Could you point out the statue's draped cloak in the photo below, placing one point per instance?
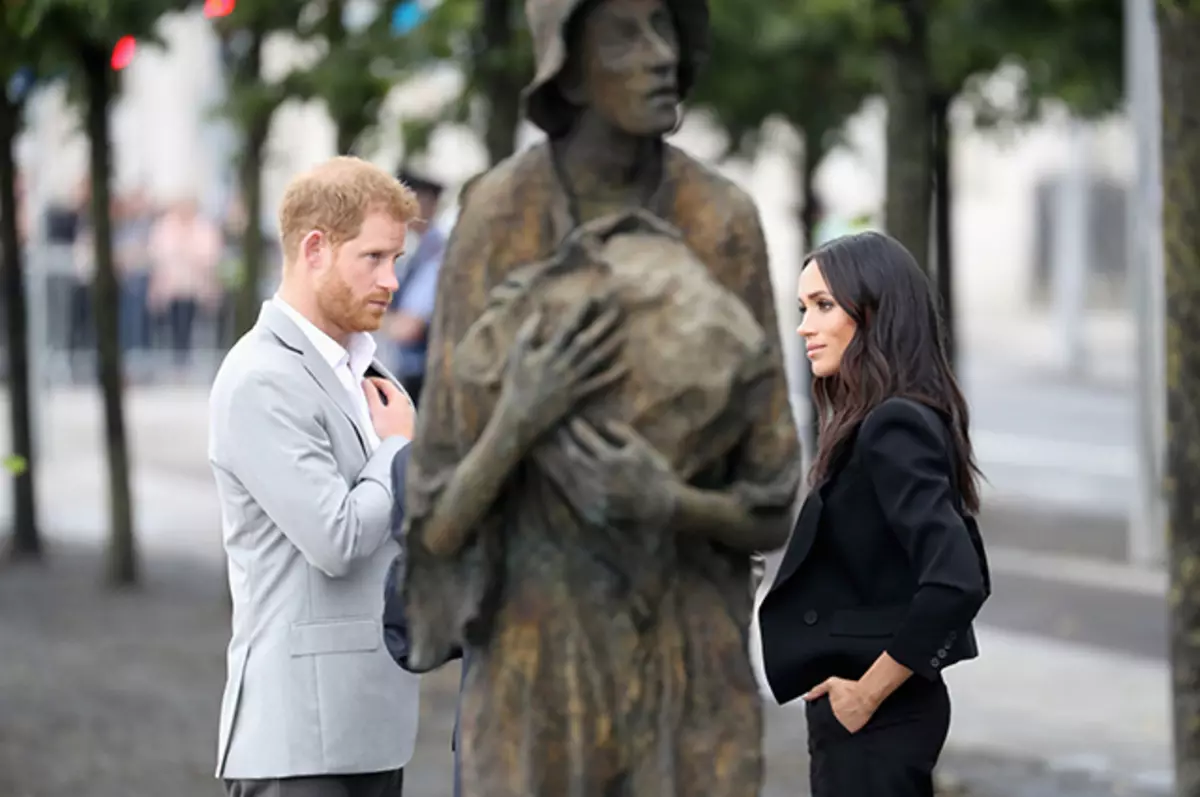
(576, 686)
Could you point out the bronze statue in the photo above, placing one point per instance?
(604, 438)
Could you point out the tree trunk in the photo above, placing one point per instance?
(809, 212)
(501, 81)
(943, 233)
(1180, 53)
(907, 88)
(26, 540)
(348, 130)
(347, 137)
(250, 182)
(250, 178)
(808, 229)
(122, 549)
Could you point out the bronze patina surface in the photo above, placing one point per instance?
(604, 439)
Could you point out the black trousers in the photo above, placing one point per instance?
(373, 784)
(893, 755)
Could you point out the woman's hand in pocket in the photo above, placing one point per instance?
(849, 702)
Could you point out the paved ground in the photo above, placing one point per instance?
(1071, 685)
(116, 695)
(1063, 442)
(1059, 456)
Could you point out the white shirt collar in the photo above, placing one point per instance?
(358, 353)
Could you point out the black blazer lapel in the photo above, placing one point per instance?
(805, 530)
(803, 534)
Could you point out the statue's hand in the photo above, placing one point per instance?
(610, 474)
(544, 381)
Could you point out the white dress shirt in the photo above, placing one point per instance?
(350, 363)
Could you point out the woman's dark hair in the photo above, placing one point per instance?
(898, 350)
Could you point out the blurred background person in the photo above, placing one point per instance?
(185, 250)
(131, 249)
(406, 328)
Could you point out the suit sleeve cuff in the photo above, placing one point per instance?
(928, 668)
(925, 657)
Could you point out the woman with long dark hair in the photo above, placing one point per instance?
(885, 570)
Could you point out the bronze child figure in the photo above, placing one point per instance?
(605, 436)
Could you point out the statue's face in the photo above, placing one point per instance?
(628, 65)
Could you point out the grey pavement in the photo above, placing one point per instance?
(1071, 689)
(1082, 530)
(114, 694)
(1128, 621)
(1057, 441)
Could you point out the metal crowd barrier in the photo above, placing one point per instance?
(62, 333)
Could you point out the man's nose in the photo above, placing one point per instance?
(389, 281)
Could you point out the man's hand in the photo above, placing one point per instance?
(851, 705)
(392, 414)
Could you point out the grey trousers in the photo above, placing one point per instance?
(374, 784)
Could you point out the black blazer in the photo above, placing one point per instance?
(881, 558)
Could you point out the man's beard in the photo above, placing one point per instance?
(340, 306)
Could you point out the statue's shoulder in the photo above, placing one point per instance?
(705, 186)
(701, 192)
(492, 191)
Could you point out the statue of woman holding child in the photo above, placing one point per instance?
(605, 436)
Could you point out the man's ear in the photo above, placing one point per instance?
(311, 246)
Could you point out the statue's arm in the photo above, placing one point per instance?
(473, 487)
(723, 517)
(546, 371)
(754, 512)
(450, 493)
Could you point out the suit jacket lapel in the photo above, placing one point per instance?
(377, 368)
(803, 534)
(805, 530)
(291, 336)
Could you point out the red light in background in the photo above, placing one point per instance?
(122, 53)
(218, 8)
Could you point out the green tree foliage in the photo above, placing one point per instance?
(80, 35)
(360, 60)
(490, 41)
(361, 64)
(809, 64)
(814, 63)
(250, 104)
(1069, 50)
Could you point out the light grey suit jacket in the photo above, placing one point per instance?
(311, 689)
